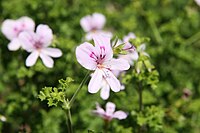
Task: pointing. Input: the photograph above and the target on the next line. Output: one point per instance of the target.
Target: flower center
(100, 66)
(38, 45)
(99, 58)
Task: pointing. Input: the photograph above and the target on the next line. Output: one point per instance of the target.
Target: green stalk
(79, 88)
(140, 89)
(68, 105)
(69, 121)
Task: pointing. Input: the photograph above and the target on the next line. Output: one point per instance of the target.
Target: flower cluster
(99, 58)
(12, 28)
(21, 34)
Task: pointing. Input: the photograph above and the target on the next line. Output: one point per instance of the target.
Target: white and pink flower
(93, 25)
(12, 28)
(109, 113)
(99, 58)
(37, 44)
(132, 54)
(198, 2)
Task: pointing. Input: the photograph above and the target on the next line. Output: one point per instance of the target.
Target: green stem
(79, 88)
(141, 128)
(69, 121)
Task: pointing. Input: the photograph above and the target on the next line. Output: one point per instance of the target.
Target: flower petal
(102, 42)
(53, 52)
(86, 23)
(45, 34)
(83, 56)
(26, 23)
(32, 58)
(91, 34)
(99, 111)
(142, 48)
(117, 64)
(48, 61)
(129, 36)
(8, 29)
(110, 108)
(14, 44)
(105, 91)
(198, 2)
(111, 80)
(134, 55)
(95, 82)
(27, 40)
(98, 20)
(120, 115)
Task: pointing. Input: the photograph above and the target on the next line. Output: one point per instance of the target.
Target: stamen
(102, 54)
(92, 55)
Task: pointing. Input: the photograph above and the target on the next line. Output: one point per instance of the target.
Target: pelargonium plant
(93, 25)
(198, 2)
(37, 43)
(12, 28)
(99, 58)
(131, 52)
(109, 113)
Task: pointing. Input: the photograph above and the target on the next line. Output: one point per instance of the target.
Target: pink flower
(100, 59)
(198, 2)
(93, 25)
(12, 28)
(132, 54)
(140, 49)
(105, 88)
(129, 36)
(37, 44)
(109, 113)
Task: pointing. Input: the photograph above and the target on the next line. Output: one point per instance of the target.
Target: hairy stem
(69, 121)
(140, 89)
(68, 105)
(79, 88)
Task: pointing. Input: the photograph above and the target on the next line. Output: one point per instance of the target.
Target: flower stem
(69, 121)
(68, 105)
(140, 89)
(79, 88)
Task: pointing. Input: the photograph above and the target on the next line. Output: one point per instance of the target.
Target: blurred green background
(174, 29)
